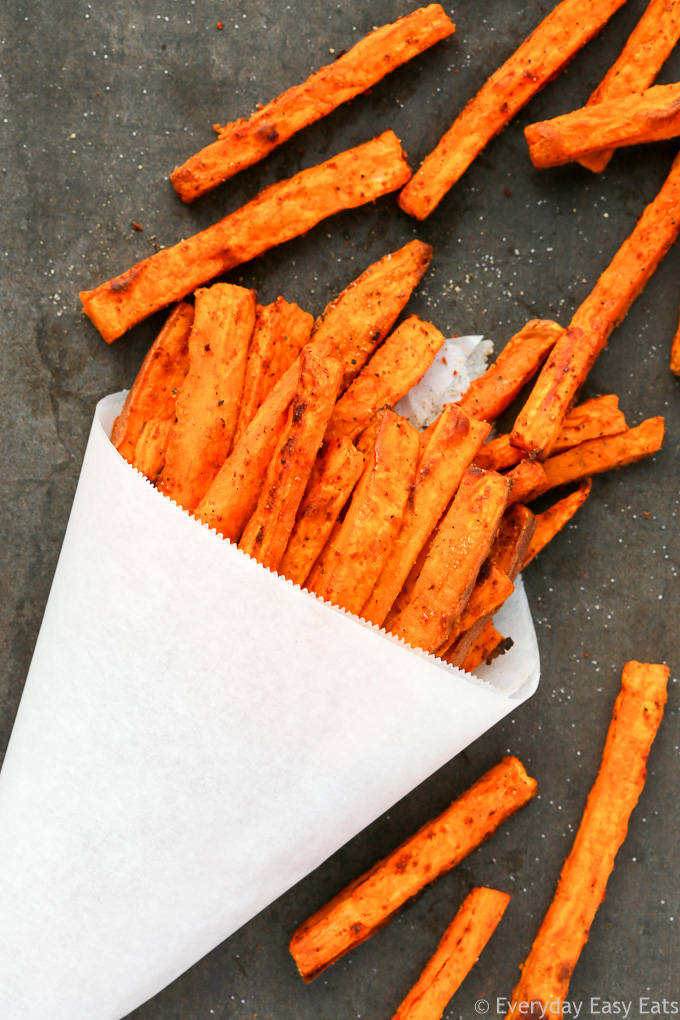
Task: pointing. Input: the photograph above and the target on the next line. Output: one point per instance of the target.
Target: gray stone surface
(100, 101)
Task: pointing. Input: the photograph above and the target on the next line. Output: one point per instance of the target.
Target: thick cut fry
(360, 317)
(599, 455)
(349, 329)
(372, 521)
(456, 955)
(266, 535)
(395, 367)
(244, 142)
(149, 453)
(552, 520)
(597, 417)
(154, 391)
(452, 445)
(492, 588)
(207, 405)
(459, 548)
(548, 49)
(513, 540)
(232, 498)
(334, 475)
(369, 902)
(489, 644)
(540, 420)
(675, 353)
(281, 331)
(639, 62)
(528, 481)
(520, 359)
(637, 714)
(282, 211)
(642, 117)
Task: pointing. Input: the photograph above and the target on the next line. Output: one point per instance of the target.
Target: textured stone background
(100, 101)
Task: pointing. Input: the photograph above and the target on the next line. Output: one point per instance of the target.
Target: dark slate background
(100, 101)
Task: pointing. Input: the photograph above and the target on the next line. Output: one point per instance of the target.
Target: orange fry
(207, 405)
(244, 142)
(368, 903)
(639, 62)
(520, 359)
(597, 417)
(281, 331)
(551, 45)
(599, 455)
(266, 534)
(460, 546)
(361, 316)
(636, 119)
(675, 353)
(372, 521)
(396, 366)
(280, 212)
(154, 391)
(492, 588)
(528, 481)
(441, 467)
(513, 539)
(552, 520)
(548, 968)
(149, 453)
(456, 955)
(334, 475)
(540, 420)
(485, 647)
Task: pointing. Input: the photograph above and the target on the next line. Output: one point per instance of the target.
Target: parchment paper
(195, 736)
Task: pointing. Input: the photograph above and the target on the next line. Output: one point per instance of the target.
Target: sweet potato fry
(149, 452)
(492, 588)
(441, 467)
(518, 362)
(675, 353)
(513, 539)
(334, 475)
(599, 455)
(372, 521)
(281, 331)
(207, 405)
(266, 534)
(551, 45)
(360, 317)
(154, 391)
(552, 520)
(597, 417)
(460, 546)
(369, 902)
(244, 142)
(639, 62)
(396, 366)
(636, 119)
(485, 648)
(282, 211)
(528, 480)
(540, 420)
(456, 955)
(637, 714)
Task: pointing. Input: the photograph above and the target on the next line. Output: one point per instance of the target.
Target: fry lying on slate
(552, 520)
(279, 213)
(675, 352)
(543, 55)
(636, 119)
(540, 421)
(637, 714)
(367, 904)
(244, 142)
(456, 955)
(638, 64)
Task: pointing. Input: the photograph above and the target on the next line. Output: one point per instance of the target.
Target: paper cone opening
(196, 735)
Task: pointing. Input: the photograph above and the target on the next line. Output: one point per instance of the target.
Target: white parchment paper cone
(196, 735)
